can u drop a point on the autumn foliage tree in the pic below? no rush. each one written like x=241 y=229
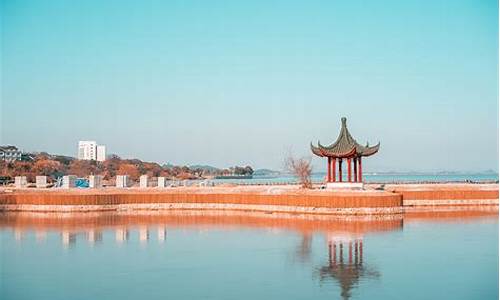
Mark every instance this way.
x=111 y=166
x=130 y=170
x=83 y=168
x=151 y=169
x=47 y=167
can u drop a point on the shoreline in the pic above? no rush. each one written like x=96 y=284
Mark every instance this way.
x=393 y=199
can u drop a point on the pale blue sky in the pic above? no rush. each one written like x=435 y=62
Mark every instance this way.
x=242 y=82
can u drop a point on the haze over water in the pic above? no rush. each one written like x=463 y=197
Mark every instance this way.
x=217 y=256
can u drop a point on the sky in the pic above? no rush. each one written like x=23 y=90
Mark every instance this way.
x=229 y=83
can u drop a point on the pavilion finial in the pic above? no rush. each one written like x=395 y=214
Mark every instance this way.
x=344 y=121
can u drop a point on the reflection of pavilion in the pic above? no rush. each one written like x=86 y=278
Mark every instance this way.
x=345 y=264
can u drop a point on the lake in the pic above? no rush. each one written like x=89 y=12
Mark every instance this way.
x=223 y=255
x=370 y=178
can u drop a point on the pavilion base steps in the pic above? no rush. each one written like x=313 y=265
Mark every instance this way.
x=344 y=185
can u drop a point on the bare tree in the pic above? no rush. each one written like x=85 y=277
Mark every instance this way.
x=300 y=167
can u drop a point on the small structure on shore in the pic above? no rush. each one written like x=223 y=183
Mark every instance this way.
x=20 y=182
x=161 y=182
x=69 y=181
x=344 y=148
x=41 y=181
x=143 y=181
x=95 y=181
x=122 y=181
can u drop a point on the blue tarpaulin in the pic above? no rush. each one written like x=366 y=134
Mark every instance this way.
x=82 y=183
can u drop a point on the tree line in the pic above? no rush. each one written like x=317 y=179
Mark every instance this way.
x=55 y=166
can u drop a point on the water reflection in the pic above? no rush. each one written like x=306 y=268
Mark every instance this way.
x=162 y=234
x=68 y=238
x=345 y=265
x=41 y=236
x=18 y=234
x=143 y=234
x=94 y=236
x=303 y=251
x=343 y=238
x=122 y=235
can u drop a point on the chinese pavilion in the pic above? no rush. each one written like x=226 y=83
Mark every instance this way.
x=344 y=148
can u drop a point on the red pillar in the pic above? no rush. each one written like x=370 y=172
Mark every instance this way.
x=349 y=177
x=355 y=169
x=334 y=170
x=329 y=170
x=360 y=171
x=340 y=169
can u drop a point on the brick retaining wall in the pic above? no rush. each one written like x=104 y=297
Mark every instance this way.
x=440 y=194
x=356 y=200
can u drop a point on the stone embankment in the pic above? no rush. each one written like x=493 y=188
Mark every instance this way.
x=374 y=199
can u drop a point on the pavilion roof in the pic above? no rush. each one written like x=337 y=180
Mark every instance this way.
x=344 y=146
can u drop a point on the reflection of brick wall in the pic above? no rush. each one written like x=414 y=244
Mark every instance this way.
x=328 y=201
x=204 y=219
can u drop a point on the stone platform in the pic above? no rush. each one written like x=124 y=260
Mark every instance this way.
x=345 y=185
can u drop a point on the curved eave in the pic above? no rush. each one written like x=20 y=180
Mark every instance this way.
x=322 y=151
x=368 y=151
x=316 y=151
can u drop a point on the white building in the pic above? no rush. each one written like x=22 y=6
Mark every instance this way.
x=10 y=153
x=101 y=153
x=89 y=150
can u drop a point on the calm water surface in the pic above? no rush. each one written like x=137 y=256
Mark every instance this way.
x=371 y=178
x=250 y=256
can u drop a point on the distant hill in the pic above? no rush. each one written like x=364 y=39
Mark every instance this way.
x=266 y=172
x=204 y=168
